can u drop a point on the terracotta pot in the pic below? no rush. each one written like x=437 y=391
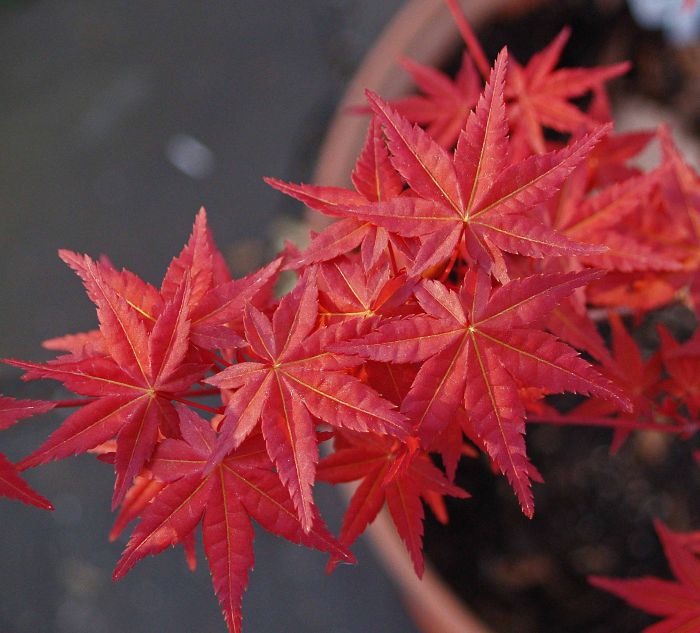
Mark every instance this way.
x=424 y=31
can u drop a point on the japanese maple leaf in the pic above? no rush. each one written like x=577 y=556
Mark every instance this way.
x=216 y=300
x=608 y=163
x=132 y=385
x=611 y=218
x=681 y=196
x=681 y=187
x=682 y=362
x=11 y=410
x=14 y=487
x=129 y=287
x=390 y=474
x=142 y=492
x=374 y=179
x=445 y=104
x=214 y=304
x=477 y=195
x=571 y=322
x=241 y=487
x=637 y=377
x=539 y=95
x=677 y=602
x=11 y=484
x=292 y=379
x=350 y=291
x=477 y=348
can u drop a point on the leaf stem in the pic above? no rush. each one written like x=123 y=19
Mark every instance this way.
x=215 y=358
x=200 y=393
x=392 y=258
x=613 y=423
x=451 y=263
x=198 y=405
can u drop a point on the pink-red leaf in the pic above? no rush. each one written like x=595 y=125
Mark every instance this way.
x=14 y=487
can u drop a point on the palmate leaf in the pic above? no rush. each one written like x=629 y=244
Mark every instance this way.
x=615 y=218
x=680 y=187
x=478 y=347
x=147 y=350
x=638 y=377
x=374 y=179
x=11 y=410
x=291 y=380
x=445 y=104
x=476 y=196
x=677 y=602
x=14 y=487
x=241 y=487
x=215 y=302
x=130 y=385
x=83 y=343
x=348 y=291
x=11 y=484
x=613 y=160
x=390 y=474
x=196 y=260
x=682 y=362
x=539 y=96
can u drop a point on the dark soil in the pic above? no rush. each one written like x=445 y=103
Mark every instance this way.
x=594 y=515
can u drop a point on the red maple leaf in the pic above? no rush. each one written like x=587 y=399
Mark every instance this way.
x=477 y=347
x=241 y=487
x=390 y=474
x=680 y=190
x=215 y=302
x=539 y=95
x=132 y=385
x=374 y=179
x=637 y=377
x=14 y=487
x=677 y=602
x=476 y=196
x=608 y=163
x=147 y=351
x=445 y=104
x=11 y=410
x=291 y=379
x=682 y=362
x=613 y=217
x=11 y=484
x=348 y=291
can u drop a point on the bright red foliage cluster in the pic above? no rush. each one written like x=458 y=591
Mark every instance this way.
x=450 y=297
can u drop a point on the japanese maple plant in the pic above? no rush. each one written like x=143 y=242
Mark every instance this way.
x=492 y=226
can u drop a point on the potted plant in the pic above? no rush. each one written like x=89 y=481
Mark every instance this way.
x=440 y=312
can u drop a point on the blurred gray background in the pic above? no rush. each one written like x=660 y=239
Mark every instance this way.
x=118 y=120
